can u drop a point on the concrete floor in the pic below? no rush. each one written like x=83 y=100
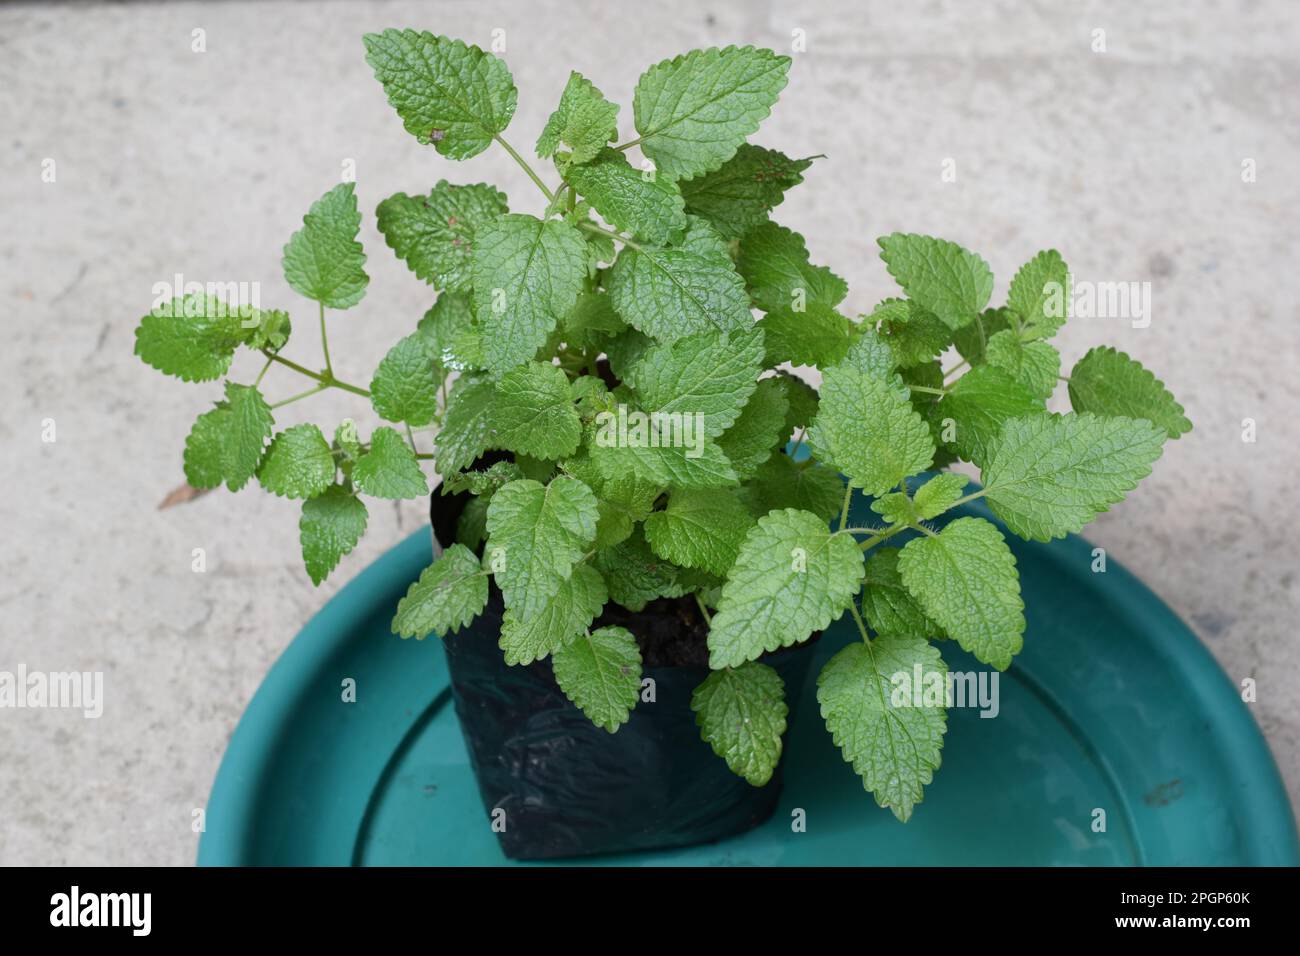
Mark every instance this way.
x=1129 y=161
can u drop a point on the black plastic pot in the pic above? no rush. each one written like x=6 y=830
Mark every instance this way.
x=568 y=788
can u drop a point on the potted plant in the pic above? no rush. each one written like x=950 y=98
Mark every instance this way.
x=643 y=514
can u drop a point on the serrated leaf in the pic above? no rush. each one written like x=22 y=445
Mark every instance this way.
x=1040 y=294
x=533 y=412
x=792 y=577
x=699 y=529
x=389 y=469
x=695 y=110
x=651 y=208
x=698 y=463
x=971 y=340
x=773 y=261
x=192 y=338
x=965 y=579
x=446 y=92
x=584 y=121
x=938 y=275
x=405 y=386
x=893 y=744
x=806 y=486
x=331 y=525
x=471 y=527
x=204 y=467
x=592 y=322
x=802 y=398
x=739 y=194
x=818 y=336
x=894 y=508
x=601 y=673
x=483 y=482
x=449 y=594
x=870 y=354
x=1035 y=365
x=868 y=430
x=248 y=425
x=711 y=373
x=323 y=259
x=635 y=575
x=672 y=292
x=434 y=234
x=467 y=427
x=1109 y=383
x=271 y=331
x=1049 y=475
x=914 y=335
x=443 y=323
x=566 y=615
x=980 y=402
x=623 y=499
x=741 y=714
x=536 y=533
x=527 y=275
x=887 y=605
x=939 y=494
x=298 y=464
x=759 y=430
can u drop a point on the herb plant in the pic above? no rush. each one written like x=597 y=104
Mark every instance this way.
x=631 y=299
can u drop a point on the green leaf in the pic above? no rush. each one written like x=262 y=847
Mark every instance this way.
x=446 y=92
x=566 y=615
x=191 y=338
x=759 y=430
x=965 y=579
x=449 y=594
x=699 y=529
x=939 y=494
x=1035 y=365
x=971 y=340
x=668 y=293
x=792 y=577
x=980 y=402
x=434 y=234
x=871 y=355
x=1040 y=294
x=298 y=464
x=774 y=263
x=203 y=458
x=248 y=425
x=323 y=259
x=331 y=525
x=914 y=335
x=447 y=319
x=390 y=469
x=868 y=430
x=1109 y=383
x=695 y=110
x=601 y=673
x=1049 y=475
x=818 y=336
x=894 y=508
x=592 y=322
x=892 y=742
x=527 y=275
x=271 y=331
x=533 y=413
x=484 y=482
x=651 y=208
x=887 y=604
x=939 y=276
x=709 y=373
x=781 y=483
x=584 y=121
x=678 y=464
x=622 y=499
x=536 y=534
x=739 y=194
x=635 y=575
x=405 y=386
x=466 y=430
x=741 y=714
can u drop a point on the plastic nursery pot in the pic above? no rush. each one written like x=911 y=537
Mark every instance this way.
x=555 y=785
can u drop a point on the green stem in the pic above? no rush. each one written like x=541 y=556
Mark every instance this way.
x=857 y=619
x=317 y=376
x=592 y=227
x=703 y=610
x=629 y=144
x=550 y=196
x=294 y=398
x=325 y=343
x=928 y=390
x=956 y=368
x=262 y=374
x=410 y=436
x=844 y=511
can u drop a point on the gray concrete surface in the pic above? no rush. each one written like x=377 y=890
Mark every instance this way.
x=1129 y=161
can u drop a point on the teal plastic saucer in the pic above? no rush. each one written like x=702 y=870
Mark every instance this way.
x=1114 y=707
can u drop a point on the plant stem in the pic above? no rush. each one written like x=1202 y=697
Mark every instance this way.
x=262 y=374
x=956 y=368
x=550 y=196
x=857 y=618
x=844 y=511
x=703 y=610
x=592 y=227
x=410 y=436
x=629 y=144
x=317 y=376
x=928 y=390
x=325 y=343
x=971 y=497
x=294 y=398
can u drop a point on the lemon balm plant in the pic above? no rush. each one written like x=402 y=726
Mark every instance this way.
x=608 y=389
